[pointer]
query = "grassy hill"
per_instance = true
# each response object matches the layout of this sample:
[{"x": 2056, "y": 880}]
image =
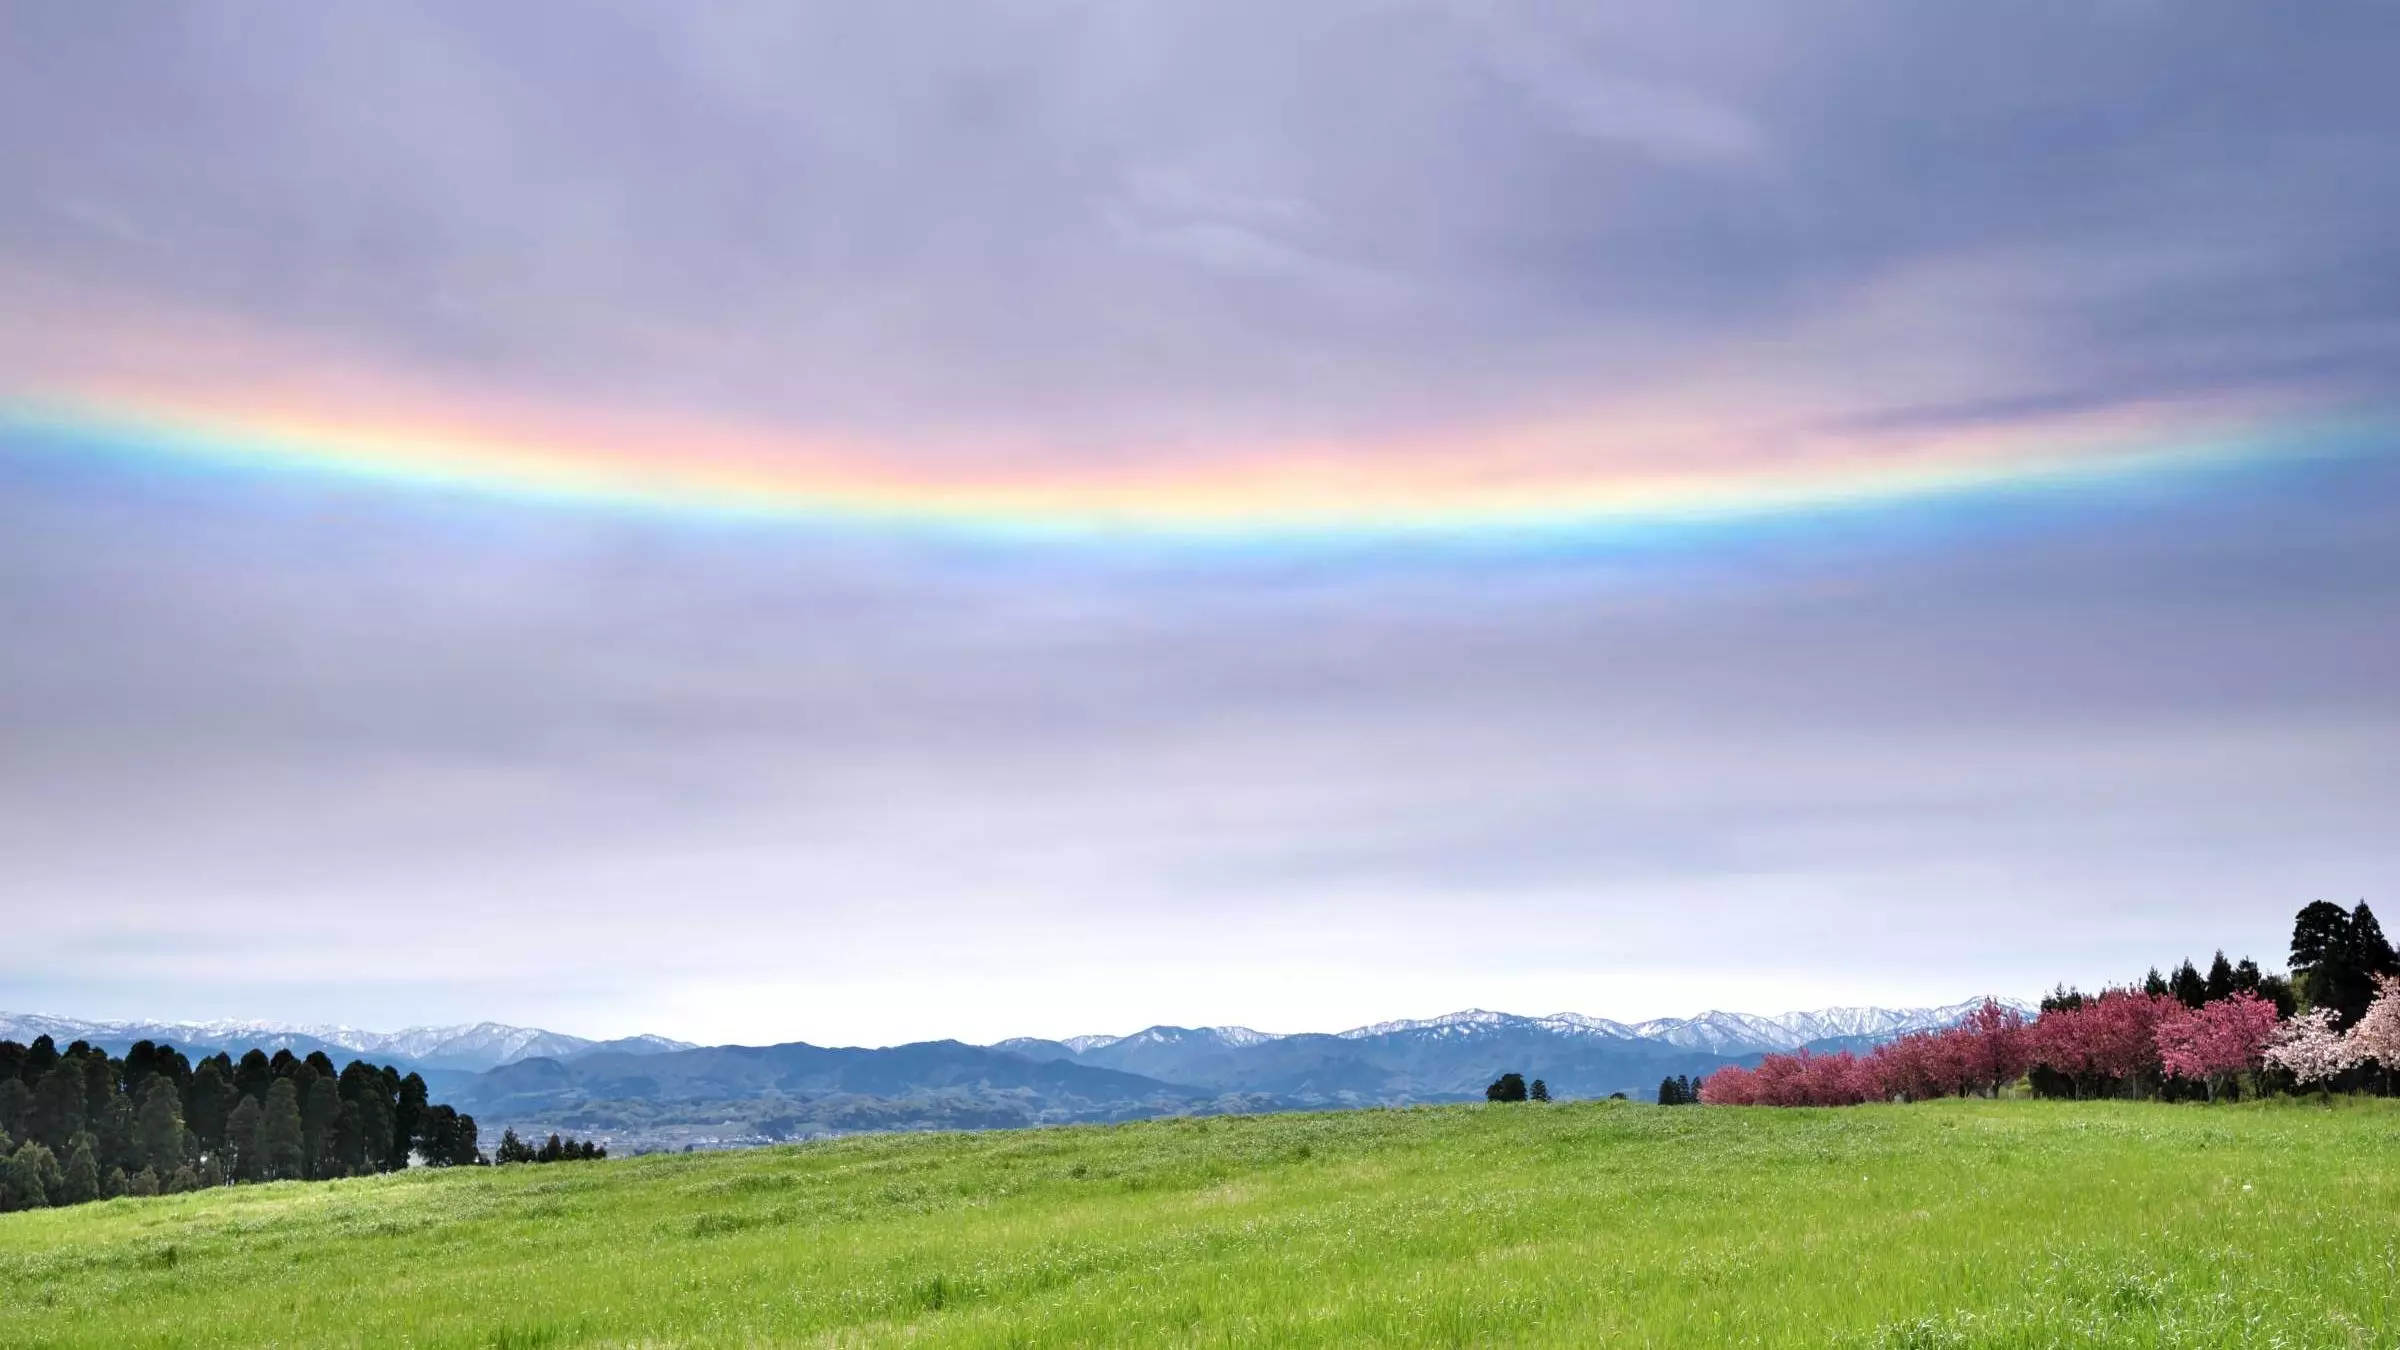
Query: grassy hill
[{"x": 1950, "y": 1224}]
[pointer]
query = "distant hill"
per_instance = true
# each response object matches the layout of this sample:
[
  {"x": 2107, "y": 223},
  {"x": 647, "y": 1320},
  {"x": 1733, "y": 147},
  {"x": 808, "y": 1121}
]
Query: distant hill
[{"x": 481, "y": 1045}]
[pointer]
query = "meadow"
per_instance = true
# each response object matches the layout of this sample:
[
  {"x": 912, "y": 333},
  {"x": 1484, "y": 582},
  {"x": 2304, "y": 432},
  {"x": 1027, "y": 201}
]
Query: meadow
[{"x": 1955, "y": 1223}]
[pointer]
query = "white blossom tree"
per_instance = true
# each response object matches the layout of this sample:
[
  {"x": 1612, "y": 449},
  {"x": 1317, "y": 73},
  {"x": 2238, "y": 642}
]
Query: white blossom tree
[{"x": 2310, "y": 1049}]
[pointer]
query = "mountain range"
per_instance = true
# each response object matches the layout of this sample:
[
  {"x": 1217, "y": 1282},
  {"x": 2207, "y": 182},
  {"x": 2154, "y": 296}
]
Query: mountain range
[
  {"x": 647, "y": 1092},
  {"x": 473, "y": 1047}
]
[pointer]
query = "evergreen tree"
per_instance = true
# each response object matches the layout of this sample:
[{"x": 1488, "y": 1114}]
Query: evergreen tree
[
  {"x": 2154, "y": 984},
  {"x": 408, "y": 1120},
  {"x": 114, "y": 1184},
  {"x": 57, "y": 1114},
  {"x": 254, "y": 1075},
  {"x": 243, "y": 1142},
  {"x": 30, "y": 1177},
  {"x": 2321, "y": 950},
  {"x": 99, "y": 1087},
  {"x": 2189, "y": 988},
  {"x": 320, "y": 1111},
  {"x": 1540, "y": 1091},
  {"x": 206, "y": 1104},
  {"x": 2220, "y": 978},
  {"x": 159, "y": 1127},
  {"x": 2370, "y": 954},
  {"x": 279, "y": 1138},
  {"x": 1509, "y": 1087},
  {"x": 144, "y": 1182},
  {"x": 2246, "y": 976},
  {"x": 16, "y": 1106},
  {"x": 115, "y": 1128},
  {"x": 1668, "y": 1093},
  {"x": 79, "y": 1180},
  {"x": 40, "y": 1058}
]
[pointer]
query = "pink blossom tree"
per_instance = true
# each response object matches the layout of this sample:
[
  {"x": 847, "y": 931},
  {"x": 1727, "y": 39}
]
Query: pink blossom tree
[
  {"x": 1993, "y": 1047},
  {"x": 2123, "y": 1036},
  {"x": 2215, "y": 1041},
  {"x": 1732, "y": 1085}
]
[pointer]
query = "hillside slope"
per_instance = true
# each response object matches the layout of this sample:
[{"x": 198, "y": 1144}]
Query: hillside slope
[{"x": 1946, "y": 1224}]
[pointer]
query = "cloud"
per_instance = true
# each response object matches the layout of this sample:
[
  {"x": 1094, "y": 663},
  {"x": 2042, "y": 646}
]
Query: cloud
[{"x": 270, "y": 717}]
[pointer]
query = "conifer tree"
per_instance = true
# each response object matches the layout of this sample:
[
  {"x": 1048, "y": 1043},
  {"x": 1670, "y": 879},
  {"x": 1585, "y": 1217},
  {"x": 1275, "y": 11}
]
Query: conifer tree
[
  {"x": 207, "y": 1101},
  {"x": 159, "y": 1127},
  {"x": 279, "y": 1138},
  {"x": 243, "y": 1142},
  {"x": 1540, "y": 1091},
  {"x": 79, "y": 1180},
  {"x": 2220, "y": 978},
  {"x": 16, "y": 1106},
  {"x": 57, "y": 1114},
  {"x": 320, "y": 1112},
  {"x": 2188, "y": 986}
]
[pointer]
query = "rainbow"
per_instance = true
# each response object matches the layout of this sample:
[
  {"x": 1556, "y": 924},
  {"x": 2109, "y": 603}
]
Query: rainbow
[{"x": 1559, "y": 482}]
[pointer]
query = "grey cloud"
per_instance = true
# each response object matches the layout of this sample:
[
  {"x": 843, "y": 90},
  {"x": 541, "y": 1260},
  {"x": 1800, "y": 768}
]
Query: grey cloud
[{"x": 904, "y": 218}]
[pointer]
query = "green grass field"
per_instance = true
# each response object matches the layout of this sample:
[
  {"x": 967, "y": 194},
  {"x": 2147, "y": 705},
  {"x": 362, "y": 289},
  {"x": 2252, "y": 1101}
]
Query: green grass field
[{"x": 1964, "y": 1223}]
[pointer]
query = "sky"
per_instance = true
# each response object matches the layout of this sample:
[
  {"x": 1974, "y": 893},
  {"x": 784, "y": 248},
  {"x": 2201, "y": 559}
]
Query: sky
[{"x": 868, "y": 523}]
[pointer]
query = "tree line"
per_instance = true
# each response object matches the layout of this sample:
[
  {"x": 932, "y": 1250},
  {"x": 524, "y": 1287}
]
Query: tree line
[
  {"x": 83, "y": 1125},
  {"x": 2333, "y": 1024},
  {"x": 554, "y": 1149}
]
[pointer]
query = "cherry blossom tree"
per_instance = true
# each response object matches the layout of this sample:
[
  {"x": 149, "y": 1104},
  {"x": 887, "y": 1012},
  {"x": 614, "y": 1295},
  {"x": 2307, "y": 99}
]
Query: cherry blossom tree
[
  {"x": 2123, "y": 1036},
  {"x": 2311, "y": 1049},
  {"x": 2376, "y": 1036},
  {"x": 1732, "y": 1085},
  {"x": 2218, "y": 1039},
  {"x": 1993, "y": 1048}
]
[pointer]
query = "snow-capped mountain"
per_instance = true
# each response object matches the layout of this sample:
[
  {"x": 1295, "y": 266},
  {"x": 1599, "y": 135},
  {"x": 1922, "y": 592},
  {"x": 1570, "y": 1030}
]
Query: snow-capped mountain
[
  {"x": 1728, "y": 1033},
  {"x": 1234, "y": 1038},
  {"x": 482, "y": 1045},
  {"x": 1481, "y": 1022}
]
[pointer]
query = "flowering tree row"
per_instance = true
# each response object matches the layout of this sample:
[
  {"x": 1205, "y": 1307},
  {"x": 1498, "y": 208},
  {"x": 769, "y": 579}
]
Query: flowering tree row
[{"x": 2123, "y": 1043}]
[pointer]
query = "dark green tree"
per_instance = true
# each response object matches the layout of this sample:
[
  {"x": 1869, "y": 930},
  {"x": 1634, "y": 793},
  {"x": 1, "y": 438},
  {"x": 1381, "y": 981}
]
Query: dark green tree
[
  {"x": 2188, "y": 986},
  {"x": 320, "y": 1113},
  {"x": 29, "y": 1179},
  {"x": 2220, "y": 978},
  {"x": 242, "y": 1141},
  {"x": 279, "y": 1139},
  {"x": 206, "y": 1103},
  {"x": 158, "y": 1128},
  {"x": 1540, "y": 1091},
  {"x": 119, "y": 1146},
  {"x": 1669, "y": 1092},
  {"x": 1509, "y": 1087},
  {"x": 2154, "y": 984},
  {"x": 79, "y": 1179},
  {"x": 2321, "y": 956},
  {"x": 16, "y": 1106},
  {"x": 57, "y": 1114},
  {"x": 2370, "y": 953},
  {"x": 99, "y": 1086},
  {"x": 2246, "y": 976},
  {"x": 408, "y": 1120},
  {"x": 254, "y": 1075}
]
